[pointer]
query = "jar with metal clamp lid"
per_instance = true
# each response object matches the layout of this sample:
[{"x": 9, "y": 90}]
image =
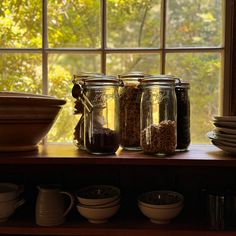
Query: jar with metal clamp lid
[
  {"x": 78, "y": 81},
  {"x": 158, "y": 115},
  {"x": 130, "y": 97},
  {"x": 183, "y": 114},
  {"x": 101, "y": 114}
]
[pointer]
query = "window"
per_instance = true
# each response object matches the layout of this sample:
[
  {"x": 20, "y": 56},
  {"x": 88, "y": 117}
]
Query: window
[{"x": 44, "y": 42}]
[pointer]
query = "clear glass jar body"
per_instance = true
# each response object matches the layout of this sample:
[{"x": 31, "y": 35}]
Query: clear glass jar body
[
  {"x": 130, "y": 98},
  {"x": 158, "y": 115},
  {"x": 101, "y": 122},
  {"x": 78, "y": 80},
  {"x": 183, "y": 115}
]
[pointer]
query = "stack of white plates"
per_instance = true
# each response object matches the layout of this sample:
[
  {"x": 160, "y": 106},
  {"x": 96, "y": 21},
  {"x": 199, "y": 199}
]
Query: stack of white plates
[{"x": 224, "y": 134}]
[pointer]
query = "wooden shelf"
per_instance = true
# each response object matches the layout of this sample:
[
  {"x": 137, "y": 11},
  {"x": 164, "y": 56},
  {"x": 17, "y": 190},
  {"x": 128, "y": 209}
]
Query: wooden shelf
[
  {"x": 120, "y": 225},
  {"x": 198, "y": 155},
  {"x": 135, "y": 171}
]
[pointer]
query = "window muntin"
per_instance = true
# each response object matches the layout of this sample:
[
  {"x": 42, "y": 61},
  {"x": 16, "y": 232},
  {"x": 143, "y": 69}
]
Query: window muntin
[{"x": 72, "y": 51}]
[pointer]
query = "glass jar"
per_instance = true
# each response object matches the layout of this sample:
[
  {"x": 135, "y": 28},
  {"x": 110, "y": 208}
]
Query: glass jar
[
  {"x": 78, "y": 81},
  {"x": 158, "y": 115},
  {"x": 101, "y": 115},
  {"x": 183, "y": 114},
  {"x": 130, "y": 97}
]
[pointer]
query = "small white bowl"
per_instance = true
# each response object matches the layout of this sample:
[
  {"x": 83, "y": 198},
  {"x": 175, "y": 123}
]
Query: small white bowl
[
  {"x": 160, "y": 215},
  {"x": 97, "y": 215},
  {"x": 95, "y": 195},
  {"x": 161, "y": 206},
  {"x": 161, "y": 199},
  {"x": 10, "y": 191},
  {"x": 7, "y": 208}
]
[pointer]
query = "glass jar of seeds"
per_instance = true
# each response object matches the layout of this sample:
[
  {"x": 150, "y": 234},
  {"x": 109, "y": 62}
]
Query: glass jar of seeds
[{"x": 158, "y": 115}]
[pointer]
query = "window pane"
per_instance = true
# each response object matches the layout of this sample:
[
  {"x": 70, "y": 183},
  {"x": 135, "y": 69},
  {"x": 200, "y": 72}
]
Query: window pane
[
  {"x": 21, "y": 72},
  {"x": 61, "y": 69},
  {"x": 203, "y": 71},
  {"x": 133, "y": 23},
  {"x": 123, "y": 63},
  {"x": 74, "y": 24},
  {"x": 192, "y": 23},
  {"x": 20, "y": 24}
]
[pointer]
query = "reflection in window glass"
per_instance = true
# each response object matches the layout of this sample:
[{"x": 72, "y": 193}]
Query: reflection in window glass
[
  {"x": 122, "y": 63},
  {"x": 20, "y": 24},
  {"x": 21, "y": 72},
  {"x": 60, "y": 74},
  {"x": 133, "y": 23},
  {"x": 74, "y": 24},
  {"x": 203, "y": 72},
  {"x": 192, "y": 23}
]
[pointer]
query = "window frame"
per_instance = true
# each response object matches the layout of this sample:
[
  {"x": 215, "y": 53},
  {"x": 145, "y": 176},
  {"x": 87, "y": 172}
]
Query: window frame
[{"x": 228, "y": 51}]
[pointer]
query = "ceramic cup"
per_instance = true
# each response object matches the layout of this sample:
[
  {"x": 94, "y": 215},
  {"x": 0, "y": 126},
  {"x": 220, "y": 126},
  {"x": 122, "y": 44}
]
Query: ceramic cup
[
  {"x": 7, "y": 208},
  {"x": 50, "y": 205},
  {"x": 10, "y": 191}
]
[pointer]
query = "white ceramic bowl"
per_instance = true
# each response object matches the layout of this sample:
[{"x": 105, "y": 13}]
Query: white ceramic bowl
[
  {"x": 10, "y": 191},
  {"x": 160, "y": 215},
  {"x": 18, "y": 106},
  {"x": 161, "y": 206},
  {"x": 7, "y": 208},
  {"x": 97, "y": 215},
  {"x": 161, "y": 199},
  {"x": 97, "y": 195},
  {"x": 25, "y": 119}
]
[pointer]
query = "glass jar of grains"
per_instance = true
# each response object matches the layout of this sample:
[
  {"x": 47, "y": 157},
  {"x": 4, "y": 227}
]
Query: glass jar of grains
[
  {"x": 101, "y": 114},
  {"x": 130, "y": 97},
  {"x": 158, "y": 115}
]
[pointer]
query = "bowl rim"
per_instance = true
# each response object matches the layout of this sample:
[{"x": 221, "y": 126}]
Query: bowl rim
[
  {"x": 180, "y": 201},
  {"x": 14, "y": 98},
  {"x": 80, "y": 192}
]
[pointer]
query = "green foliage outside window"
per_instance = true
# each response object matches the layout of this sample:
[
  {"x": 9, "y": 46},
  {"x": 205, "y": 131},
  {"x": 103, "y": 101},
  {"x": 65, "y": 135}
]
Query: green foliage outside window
[{"x": 133, "y": 23}]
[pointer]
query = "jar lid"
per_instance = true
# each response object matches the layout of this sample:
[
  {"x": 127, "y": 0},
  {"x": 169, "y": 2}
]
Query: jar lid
[
  {"x": 153, "y": 79},
  {"x": 102, "y": 80},
  {"x": 81, "y": 76},
  {"x": 133, "y": 74},
  {"x": 181, "y": 83}
]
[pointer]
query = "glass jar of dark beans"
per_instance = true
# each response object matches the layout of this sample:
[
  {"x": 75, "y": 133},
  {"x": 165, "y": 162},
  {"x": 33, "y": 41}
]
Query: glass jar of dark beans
[{"x": 183, "y": 115}]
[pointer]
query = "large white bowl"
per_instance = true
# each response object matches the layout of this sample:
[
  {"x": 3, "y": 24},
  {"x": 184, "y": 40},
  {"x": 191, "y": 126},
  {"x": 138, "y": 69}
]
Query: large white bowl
[
  {"x": 97, "y": 215},
  {"x": 161, "y": 206},
  {"x": 25, "y": 119},
  {"x": 97, "y": 195},
  {"x": 28, "y": 106}
]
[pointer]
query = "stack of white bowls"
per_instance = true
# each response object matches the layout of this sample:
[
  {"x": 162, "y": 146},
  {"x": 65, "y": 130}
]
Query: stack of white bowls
[
  {"x": 9, "y": 199},
  {"x": 25, "y": 119},
  {"x": 161, "y": 206},
  {"x": 224, "y": 134},
  {"x": 98, "y": 203}
]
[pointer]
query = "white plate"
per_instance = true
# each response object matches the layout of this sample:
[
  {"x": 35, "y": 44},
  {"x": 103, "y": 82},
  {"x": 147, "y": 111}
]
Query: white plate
[
  {"x": 227, "y": 124},
  {"x": 225, "y": 118},
  {"x": 228, "y": 136},
  {"x": 216, "y": 137},
  {"x": 225, "y": 147},
  {"x": 223, "y": 143},
  {"x": 225, "y": 130}
]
